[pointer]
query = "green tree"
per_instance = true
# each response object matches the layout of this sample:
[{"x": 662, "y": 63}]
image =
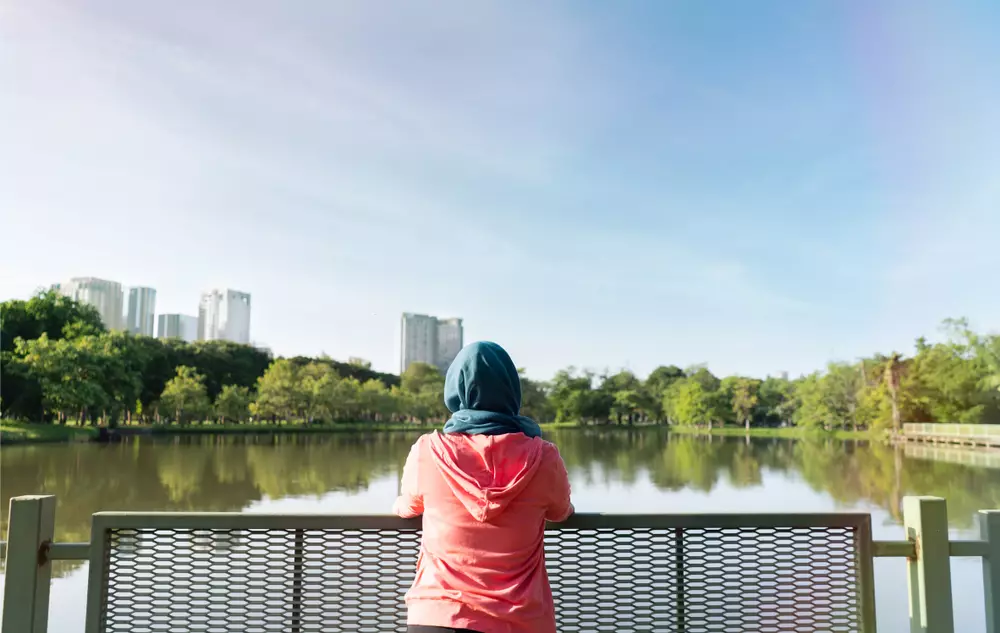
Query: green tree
[
  {"x": 893, "y": 373},
  {"x": 814, "y": 411},
  {"x": 376, "y": 401},
  {"x": 620, "y": 393},
  {"x": 233, "y": 404},
  {"x": 842, "y": 387},
  {"x": 656, "y": 385},
  {"x": 224, "y": 363},
  {"x": 47, "y": 313},
  {"x": 743, "y": 397},
  {"x": 185, "y": 396},
  {"x": 70, "y": 373},
  {"x": 573, "y": 397},
  {"x": 280, "y": 395},
  {"x": 775, "y": 402},
  {"x": 420, "y": 376},
  {"x": 535, "y": 401},
  {"x": 688, "y": 403},
  {"x": 423, "y": 386}
]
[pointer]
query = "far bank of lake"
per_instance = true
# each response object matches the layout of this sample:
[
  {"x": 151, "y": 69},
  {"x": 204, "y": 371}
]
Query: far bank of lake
[{"x": 22, "y": 433}]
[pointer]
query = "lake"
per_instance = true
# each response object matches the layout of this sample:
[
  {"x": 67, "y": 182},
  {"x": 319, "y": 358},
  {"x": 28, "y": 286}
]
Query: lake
[{"x": 611, "y": 471}]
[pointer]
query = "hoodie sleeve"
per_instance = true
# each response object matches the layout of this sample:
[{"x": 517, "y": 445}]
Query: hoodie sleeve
[
  {"x": 410, "y": 502},
  {"x": 560, "y": 507}
]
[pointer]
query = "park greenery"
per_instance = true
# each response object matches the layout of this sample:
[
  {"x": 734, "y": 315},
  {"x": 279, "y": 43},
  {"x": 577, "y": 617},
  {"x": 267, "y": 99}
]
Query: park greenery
[{"x": 59, "y": 365}]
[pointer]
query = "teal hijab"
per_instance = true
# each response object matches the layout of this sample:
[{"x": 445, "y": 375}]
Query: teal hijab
[{"x": 483, "y": 392}]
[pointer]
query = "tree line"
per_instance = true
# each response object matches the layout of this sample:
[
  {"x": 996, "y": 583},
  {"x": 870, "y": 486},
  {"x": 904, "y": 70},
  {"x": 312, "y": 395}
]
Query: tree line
[{"x": 58, "y": 363}]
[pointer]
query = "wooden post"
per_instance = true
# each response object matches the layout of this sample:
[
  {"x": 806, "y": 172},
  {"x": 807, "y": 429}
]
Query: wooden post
[
  {"x": 929, "y": 574},
  {"x": 989, "y": 530},
  {"x": 28, "y": 571}
]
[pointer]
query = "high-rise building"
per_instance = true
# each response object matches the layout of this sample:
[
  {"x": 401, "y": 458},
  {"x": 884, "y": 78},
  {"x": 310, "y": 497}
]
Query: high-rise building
[
  {"x": 418, "y": 340},
  {"x": 426, "y": 339},
  {"x": 449, "y": 342},
  {"x": 141, "y": 308},
  {"x": 179, "y": 326},
  {"x": 224, "y": 315},
  {"x": 105, "y": 296}
]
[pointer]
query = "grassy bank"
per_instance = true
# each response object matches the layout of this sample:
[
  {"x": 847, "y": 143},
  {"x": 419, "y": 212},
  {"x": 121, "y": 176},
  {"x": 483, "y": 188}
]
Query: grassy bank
[
  {"x": 289, "y": 428},
  {"x": 20, "y": 433},
  {"x": 787, "y": 432},
  {"x": 343, "y": 427}
]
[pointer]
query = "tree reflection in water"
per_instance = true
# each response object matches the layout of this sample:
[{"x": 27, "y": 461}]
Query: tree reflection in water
[{"x": 232, "y": 473}]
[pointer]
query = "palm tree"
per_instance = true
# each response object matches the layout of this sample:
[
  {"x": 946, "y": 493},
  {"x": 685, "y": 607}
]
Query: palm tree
[{"x": 893, "y": 371}]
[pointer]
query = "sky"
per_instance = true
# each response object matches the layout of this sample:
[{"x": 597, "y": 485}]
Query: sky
[{"x": 762, "y": 187}]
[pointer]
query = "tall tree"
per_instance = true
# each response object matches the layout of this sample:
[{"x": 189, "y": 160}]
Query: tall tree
[
  {"x": 185, "y": 396},
  {"x": 776, "y": 402},
  {"x": 743, "y": 397},
  {"x": 535, "y": 401},
  {"x": 893, "y": 373},
  {"x": 233, "y": 404},
  {"x": 280, "y": 394}
]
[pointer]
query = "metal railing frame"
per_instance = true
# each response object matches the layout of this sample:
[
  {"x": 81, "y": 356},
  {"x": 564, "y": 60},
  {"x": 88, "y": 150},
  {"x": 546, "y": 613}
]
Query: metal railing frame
[
  {"x": 30, "y": 550},
  {"x": 935, "y": 430}
]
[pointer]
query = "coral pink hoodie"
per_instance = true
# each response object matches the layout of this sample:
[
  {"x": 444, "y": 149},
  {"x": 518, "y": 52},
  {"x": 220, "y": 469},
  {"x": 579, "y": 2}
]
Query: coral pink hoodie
[{"x": 485, "y": 500}]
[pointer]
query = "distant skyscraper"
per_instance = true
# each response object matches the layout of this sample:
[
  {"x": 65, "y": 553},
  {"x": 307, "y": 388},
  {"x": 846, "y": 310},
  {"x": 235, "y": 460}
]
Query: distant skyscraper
[
  {"x": 224, "y": 315},
  {"x": 141, "y": 308},
  {"x": 179, "y": 326},
  {"x": 426, "y": 339},
  {"x": 449, "y": 342},
  {"x": 418, "y": 340},
  {"x": 105, "y": 296}
]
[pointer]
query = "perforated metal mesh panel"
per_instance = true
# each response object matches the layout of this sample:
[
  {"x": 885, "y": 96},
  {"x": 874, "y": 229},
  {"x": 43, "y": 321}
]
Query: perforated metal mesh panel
[
  {"x": 690, "y": 580},
  {"x": 706, "y": 579}
]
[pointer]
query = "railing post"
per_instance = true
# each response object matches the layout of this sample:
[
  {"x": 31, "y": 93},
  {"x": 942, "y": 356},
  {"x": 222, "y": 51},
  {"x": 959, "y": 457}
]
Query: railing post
[
  {"x": 681, "y": 599},
  {"x": 297, "y": 563},
  {"x": 929, "y": 574},
  {"x": 989, "y": 530},
  {"x": 28, "y": 571}
]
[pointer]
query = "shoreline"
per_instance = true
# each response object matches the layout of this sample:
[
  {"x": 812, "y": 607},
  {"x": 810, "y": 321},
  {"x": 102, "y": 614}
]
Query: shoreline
[
  {"x": 791, "y": 432},
  {"x": 20, "y": 434}
]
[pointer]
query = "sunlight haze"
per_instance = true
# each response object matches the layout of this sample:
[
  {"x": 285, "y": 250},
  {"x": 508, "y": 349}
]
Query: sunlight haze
[{"x": 761, "y": 187}]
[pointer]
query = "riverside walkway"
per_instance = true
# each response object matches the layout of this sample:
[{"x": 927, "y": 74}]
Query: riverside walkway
[
  {"x": 966, "y": 434},
  {"x": 255, "y": 573}
]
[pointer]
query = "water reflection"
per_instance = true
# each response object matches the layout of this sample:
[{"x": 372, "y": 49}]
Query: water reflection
[{"x": 232, "y": 473}]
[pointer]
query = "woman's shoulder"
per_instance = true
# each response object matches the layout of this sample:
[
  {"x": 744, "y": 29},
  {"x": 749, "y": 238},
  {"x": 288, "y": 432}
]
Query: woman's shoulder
[{"x": 549, "y": 449}]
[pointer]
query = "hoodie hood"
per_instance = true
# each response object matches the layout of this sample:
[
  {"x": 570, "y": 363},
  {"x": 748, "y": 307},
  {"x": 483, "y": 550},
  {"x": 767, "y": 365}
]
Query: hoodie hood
[{"x": 486, "y": 472}]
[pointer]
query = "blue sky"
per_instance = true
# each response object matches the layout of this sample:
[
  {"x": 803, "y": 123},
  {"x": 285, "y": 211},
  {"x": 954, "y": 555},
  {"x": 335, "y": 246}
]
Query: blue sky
[{"x": 759, "y": 186}]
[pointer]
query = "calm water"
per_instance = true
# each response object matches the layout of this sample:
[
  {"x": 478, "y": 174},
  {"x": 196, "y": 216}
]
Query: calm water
[{"x": 612, "y": 471}]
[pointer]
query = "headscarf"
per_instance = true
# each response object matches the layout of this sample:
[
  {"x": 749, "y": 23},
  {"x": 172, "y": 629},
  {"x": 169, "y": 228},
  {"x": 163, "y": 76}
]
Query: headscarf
[{"x": 483, "y": 392}]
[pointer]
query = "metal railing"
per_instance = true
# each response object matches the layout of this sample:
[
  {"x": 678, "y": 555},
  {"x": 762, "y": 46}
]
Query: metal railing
[
  {"x": 685, "y": 573},
  {"x": 988, "y": 434}
]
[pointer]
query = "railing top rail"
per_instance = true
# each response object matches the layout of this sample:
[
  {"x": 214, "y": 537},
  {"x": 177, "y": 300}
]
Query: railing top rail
[{"x": 232, "y": 520}]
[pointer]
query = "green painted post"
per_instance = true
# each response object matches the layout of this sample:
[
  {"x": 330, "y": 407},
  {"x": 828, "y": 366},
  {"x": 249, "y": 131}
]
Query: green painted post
[
  {"x": 929, "y": 574},
  {"x": 26, "y": 590},
  {"x": 989, "y": 530}
]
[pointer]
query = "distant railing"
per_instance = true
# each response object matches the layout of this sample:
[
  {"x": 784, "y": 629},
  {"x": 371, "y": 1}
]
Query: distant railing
[
  {"x": 985, "y": 434},
  {"x": 308, "y": 573}
]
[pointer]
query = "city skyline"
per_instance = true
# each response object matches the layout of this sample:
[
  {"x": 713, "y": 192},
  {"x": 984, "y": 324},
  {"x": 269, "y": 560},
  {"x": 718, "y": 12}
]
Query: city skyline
[
  {"x": 761, "y": 188},
  {"x": 222, "y": 314}
]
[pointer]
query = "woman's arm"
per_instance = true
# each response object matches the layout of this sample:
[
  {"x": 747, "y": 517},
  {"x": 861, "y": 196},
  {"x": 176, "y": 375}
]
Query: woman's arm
[
  {"x": 560, "y": 506},
  {"x": 410, "y": 502}
]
